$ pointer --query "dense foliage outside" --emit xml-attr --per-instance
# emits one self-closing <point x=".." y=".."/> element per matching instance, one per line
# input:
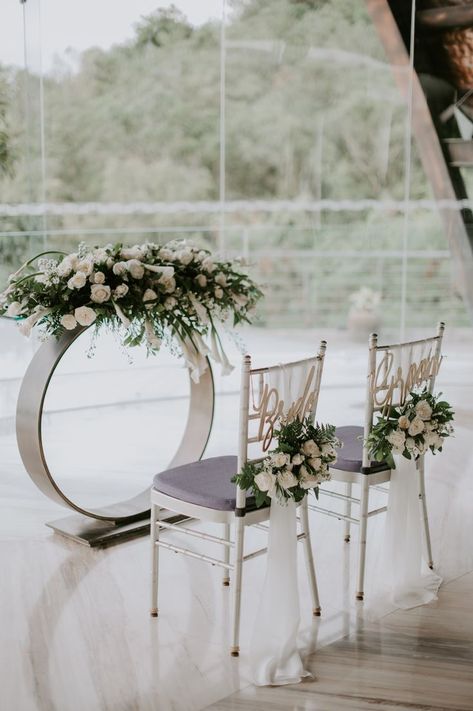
<point x="311" y="112"/>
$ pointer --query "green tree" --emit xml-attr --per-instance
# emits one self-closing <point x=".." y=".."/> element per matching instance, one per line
<point x="6" y="154"/>
<point x="162" y="27"/>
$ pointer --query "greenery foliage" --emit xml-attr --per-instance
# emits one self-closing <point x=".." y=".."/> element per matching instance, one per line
<point x="151" y="291"/>
<point x="298" y="464"/>
<point x="410" y="430"/>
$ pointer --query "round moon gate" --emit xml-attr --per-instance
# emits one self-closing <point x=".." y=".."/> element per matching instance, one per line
<point x="122" y="519"/>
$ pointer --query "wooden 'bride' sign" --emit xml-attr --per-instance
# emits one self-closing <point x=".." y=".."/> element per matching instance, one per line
<point x="271" y="407"/>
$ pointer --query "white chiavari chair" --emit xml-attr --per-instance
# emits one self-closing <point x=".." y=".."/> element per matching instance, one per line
<point x="393" y="371"/>
<point x="202" y="490"/>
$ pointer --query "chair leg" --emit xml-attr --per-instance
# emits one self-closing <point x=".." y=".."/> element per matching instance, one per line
<point x="238" y="570"/>
<point x="154" y="559"/>
<point x="423" y="504"/>
<point x="363" y="532"/>
<point x="309" y="558"/>
<point x="347" y="512"/>
<point x="226" y="555"/>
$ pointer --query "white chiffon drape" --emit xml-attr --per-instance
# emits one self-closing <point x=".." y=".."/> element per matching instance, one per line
<point x="408" y="580"/>
<point x="274" y="654"/>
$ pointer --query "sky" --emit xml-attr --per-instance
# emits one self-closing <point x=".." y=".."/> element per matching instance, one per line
<point x="79" y="24"/>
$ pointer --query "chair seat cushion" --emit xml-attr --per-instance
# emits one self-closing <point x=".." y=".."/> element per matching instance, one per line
<point x="205" y="483"/>
<point x="350" y="456"/>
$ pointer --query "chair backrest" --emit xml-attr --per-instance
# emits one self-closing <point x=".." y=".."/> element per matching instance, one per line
<point x="394" y="370"/>
<point x="289" y="389"/>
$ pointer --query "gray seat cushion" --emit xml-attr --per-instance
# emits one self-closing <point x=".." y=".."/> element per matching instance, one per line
<point x="205" y="483"/>
<point x="350" y="456"/>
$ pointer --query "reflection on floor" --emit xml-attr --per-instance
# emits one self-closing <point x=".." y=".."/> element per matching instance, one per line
<point x="415" y="659"/>
<point x="75" y="630"/>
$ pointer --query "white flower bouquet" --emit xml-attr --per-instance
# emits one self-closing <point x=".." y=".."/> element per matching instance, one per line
<point x="150" y="292"/>
<point x="365" y="299"/>
<point x="410" y="430"/>
<point x="299" y="464"/>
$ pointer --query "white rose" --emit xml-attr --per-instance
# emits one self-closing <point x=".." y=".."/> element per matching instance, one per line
<point x="185" y="257"/>
<point x="328" y="449"/>
<point x="310" y="448"/>
<point x="430" y="438"/>
<point x="135" y="268"/>
<point x="132" y="253"/>
<point x="149" y="295"/>
<point x="221" y="279"/>
<point x="166" y="254"/>
<point x="65" y="267"/>
<point x="315" y="463"/>
<point x="297" y="459"/>
<point x="69" y="322"/>
<point x="240" y="299"/>
<point x="100" y="256"/>
<point x="74" y="259"/>
<point x="119" y="268"/>
<point x="85" y="316"/>
<point x="100" y="293"/>
<point x="324" y="472"/>
<point x="265" y="481"/>
<point x="86" y="266"/>
<point x="170" y="303"/>
<point x="286" y="479"/>
<point x="120" y="291"/>
<point x="398" y="439"/>
<point x="99" y="278"/>
<point x="403" y="422"/>
<point x="165" y="273"/>
<point x="208" y="265"/>
<point x="77" y="281"/>
<point x="201" y="280"/>
<point x="416" y="426"/>
<point x="309" y="482"/>
<point x="170" y="285"/>
<point x="110" y="262"/>
<point x="279" y="459"/>
<point x="14" y="309"/>
<point x="423" y="410"/>
<point x="218" y="292"/>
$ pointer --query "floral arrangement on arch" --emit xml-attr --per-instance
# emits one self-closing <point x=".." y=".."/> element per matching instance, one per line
<point x="151" y="292"/>
<point x="299" y="463"/>
<point x="365" y="299"/>
<point x="421" y="424"/>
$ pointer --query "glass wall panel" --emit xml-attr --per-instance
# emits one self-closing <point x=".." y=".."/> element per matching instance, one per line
<point x="279" y="134"/>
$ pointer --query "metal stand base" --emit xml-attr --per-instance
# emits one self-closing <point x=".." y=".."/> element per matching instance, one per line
<point x="95" y="533"/>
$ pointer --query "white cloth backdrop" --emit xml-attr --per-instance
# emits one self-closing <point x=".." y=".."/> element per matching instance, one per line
<point x="274" y="655"/>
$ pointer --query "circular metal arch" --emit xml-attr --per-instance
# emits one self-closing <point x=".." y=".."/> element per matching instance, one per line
<point x="29" y="416"/>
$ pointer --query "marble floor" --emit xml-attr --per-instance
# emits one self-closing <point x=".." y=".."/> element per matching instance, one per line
<point x="410" y="659"/>
<point x="75" y="633"/>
